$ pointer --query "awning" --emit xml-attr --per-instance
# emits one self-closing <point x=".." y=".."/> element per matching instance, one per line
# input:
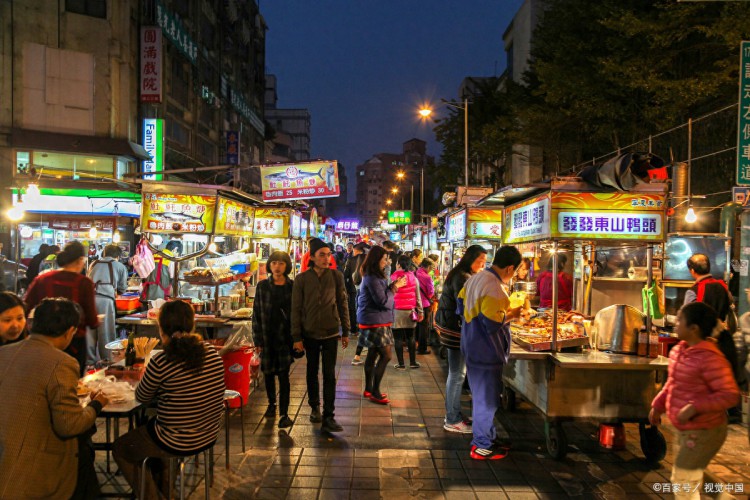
<point x="81" y="144"/>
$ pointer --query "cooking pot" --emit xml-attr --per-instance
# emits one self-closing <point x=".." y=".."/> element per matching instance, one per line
<point x="616" y="328"/>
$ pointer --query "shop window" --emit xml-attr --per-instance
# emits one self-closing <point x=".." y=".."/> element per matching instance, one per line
<point x="75" y="166"/>
<point x="23" y="162"/>
<point x="180" y="79"/>
<point x="206" y="150"/>
<point x="92" y="8"/>
<point x="178" y="133"/>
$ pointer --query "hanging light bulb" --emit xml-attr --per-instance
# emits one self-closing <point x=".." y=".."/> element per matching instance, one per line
<point x="212" y="247"/>
<point x="15" y="213"/>
<point x="691" y="216"/>
<point x="116" y="237"/>
<point x="93" y="233"/>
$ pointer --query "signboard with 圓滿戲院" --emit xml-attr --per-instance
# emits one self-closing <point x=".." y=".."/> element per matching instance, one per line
<point x="300" y="181"/>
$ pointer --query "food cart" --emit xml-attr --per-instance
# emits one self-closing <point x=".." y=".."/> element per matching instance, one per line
<point x="276" y="228"/>
<point x="592" y="385"/>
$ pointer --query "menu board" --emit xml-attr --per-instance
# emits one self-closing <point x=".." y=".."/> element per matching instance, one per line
<point x="271" y="223"/>
<point x="629" y="216"/>
<point x="485" y="223"/>
<point x="177" y="213"/>
<point x="234" y="218"/>
<point x="528" y="220"/>
<point x="296" y="225"/>
<point x="457" y="226"/>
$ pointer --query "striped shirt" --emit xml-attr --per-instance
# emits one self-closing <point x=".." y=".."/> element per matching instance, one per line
<point x="189" y="403"/>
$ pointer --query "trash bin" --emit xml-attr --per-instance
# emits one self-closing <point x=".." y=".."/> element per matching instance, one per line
<point x="237" y="374"/>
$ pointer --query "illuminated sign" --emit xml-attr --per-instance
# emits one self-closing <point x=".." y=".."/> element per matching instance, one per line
<point x="395" y="236"/>
<point x="177" y="213"/>
<point x="485" y="223"/>
<point x="300" y="181"/>
<point x="234" y="218"/>
<point x="272" y="222"/>
<point x="399" y="216"/>
<point x="457" y="226"/>
<point x="296" y="225"/>
<point x="527" y="221"/>
<point x="608" y="224"/>
<point x="347" y="226"/>
<point x="153" y="143"/>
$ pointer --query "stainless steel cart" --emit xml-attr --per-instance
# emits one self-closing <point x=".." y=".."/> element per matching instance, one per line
<point x="589" y="386"/>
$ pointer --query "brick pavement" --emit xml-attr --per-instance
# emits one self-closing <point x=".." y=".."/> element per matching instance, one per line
<point x="401" y="451"/>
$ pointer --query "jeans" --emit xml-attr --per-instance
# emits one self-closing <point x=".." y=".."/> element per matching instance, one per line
<point x="453" y="386"/>
<point x="284" y="390"/>
<point x="423" y="333"/>
<point x="405" y="335"/>
<point x="327" y="349"/>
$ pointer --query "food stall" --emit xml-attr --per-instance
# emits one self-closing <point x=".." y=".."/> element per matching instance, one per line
<point x="611" y="387"/>
<point x="276" y="229"/>
<point x="214" y="226"/>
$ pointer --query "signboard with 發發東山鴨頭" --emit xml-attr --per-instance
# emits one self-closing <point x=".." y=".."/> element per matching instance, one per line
<point x="177" y="213"/>
<point x="300" y="181"/>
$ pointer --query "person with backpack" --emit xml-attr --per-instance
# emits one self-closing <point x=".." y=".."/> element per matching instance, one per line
<point x="110" y="277"/>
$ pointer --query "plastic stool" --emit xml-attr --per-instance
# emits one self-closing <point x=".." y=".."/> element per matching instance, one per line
<point x="228" y="396"/>
<point x="207" y="473"/>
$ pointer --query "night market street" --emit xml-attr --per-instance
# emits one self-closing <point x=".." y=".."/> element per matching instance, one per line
<point x="401" y="451"/>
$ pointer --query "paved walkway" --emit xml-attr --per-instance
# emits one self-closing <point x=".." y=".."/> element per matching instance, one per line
<point x="401" y="451"/>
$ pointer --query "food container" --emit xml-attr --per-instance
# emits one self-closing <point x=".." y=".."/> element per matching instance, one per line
<point x="127" y="302"/>
<point x="616" y="329"/>
<point x="198" y="307"/>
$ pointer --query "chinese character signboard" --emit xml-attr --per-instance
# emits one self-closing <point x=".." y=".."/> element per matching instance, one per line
<point x="300" y="181"/>
<point x="153" y="143"/>
<point x="233" y="147"/>
<point x="234" y="218"/>
<point x="151" y="70"/>
<point x="347" y="226"/>
<point x="176" y="32"/>
<point x="271" y="222"/>
<point x="81" y="224"/>
<point x="457" y="226"/>
<point x="743" y="122"/>
<point x="485" y="223"/>
<point x="528" y="220"/>
<point x="399" y="216"/>
<point x="597" y="216"/>
<point x="177" y="213"/>
<point x="394" y="236"/>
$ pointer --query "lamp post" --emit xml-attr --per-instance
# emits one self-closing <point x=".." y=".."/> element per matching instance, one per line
<point x="427" y="112"/>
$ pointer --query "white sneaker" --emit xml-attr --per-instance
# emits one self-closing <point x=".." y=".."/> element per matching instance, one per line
<point x="357" y="362"/>
<point x="460" y="427"/>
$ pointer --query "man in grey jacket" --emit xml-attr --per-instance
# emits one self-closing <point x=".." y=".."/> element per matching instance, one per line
<point x="319" y="311"/>
<point x="41" y="416"/>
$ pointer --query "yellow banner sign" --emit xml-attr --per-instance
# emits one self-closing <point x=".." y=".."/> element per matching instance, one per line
<point x="177" y="213"/>
<point x="234" y="218"/>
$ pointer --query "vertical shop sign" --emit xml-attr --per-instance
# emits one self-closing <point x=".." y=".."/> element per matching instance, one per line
<point x="151" y="64"/>
<point x="153" y="143"/>
<point x="233" y="147"/>
<point x="743" y="121"/>
<point x="176" y="33"/>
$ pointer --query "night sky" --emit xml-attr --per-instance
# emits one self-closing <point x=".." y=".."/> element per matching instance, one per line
<point x="363" y="68"/>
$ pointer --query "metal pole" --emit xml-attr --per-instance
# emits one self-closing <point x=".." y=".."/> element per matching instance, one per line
<point x="17" y="256"/>
<point x="555" y="287"/>
<point x="466" y="142"/>
<point x="421" y="193"/>
<point x="689" y="158"/>
<point x="649" y="282"/>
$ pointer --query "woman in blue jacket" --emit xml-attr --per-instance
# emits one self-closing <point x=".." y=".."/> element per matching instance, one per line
<point x="375" y="317"/>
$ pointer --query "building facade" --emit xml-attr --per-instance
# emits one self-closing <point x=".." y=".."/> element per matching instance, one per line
<point x="381" y="187"/>
<point x="295" y="122"/>
<point x="76" y="94"/>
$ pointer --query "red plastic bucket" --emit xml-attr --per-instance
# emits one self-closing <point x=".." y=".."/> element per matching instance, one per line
<point x="237" y="374"/>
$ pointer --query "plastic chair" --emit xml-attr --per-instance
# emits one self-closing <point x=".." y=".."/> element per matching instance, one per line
<point x="180" y="459"/>
<point x="228" y="396"/>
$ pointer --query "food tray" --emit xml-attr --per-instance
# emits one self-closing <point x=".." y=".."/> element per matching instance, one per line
<point x="207" y="281"/>
<point x="547" y="345"/>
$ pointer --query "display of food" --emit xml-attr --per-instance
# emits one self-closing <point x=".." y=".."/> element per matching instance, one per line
<point x="535" y="332"/>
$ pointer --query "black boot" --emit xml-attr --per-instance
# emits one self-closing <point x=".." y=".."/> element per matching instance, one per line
<point x="271" y="411"/>
<point x="315" y="416"/>
<point x="330" y="425"/>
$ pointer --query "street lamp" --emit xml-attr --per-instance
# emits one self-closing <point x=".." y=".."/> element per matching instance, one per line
<point x="388" y="201"/>
<point x="427" y="112"/>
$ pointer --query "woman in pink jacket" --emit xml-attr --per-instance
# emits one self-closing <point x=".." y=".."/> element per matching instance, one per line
<point x="408" y="312"/>
<point x="699" y="391"/>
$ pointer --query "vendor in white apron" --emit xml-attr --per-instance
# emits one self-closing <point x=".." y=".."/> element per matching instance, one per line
<point x="110" y="277"/>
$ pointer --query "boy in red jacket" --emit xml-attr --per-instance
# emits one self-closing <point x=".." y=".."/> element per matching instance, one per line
<point x="699" y="391"/>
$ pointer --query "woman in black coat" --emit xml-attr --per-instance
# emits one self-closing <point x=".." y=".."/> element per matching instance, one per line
<point x="272" y="332"/>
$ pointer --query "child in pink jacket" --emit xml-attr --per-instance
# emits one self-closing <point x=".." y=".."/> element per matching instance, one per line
<point x="699" y="391"/>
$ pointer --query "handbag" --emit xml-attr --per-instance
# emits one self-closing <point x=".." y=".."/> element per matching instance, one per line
<point x="143" y="260"/>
